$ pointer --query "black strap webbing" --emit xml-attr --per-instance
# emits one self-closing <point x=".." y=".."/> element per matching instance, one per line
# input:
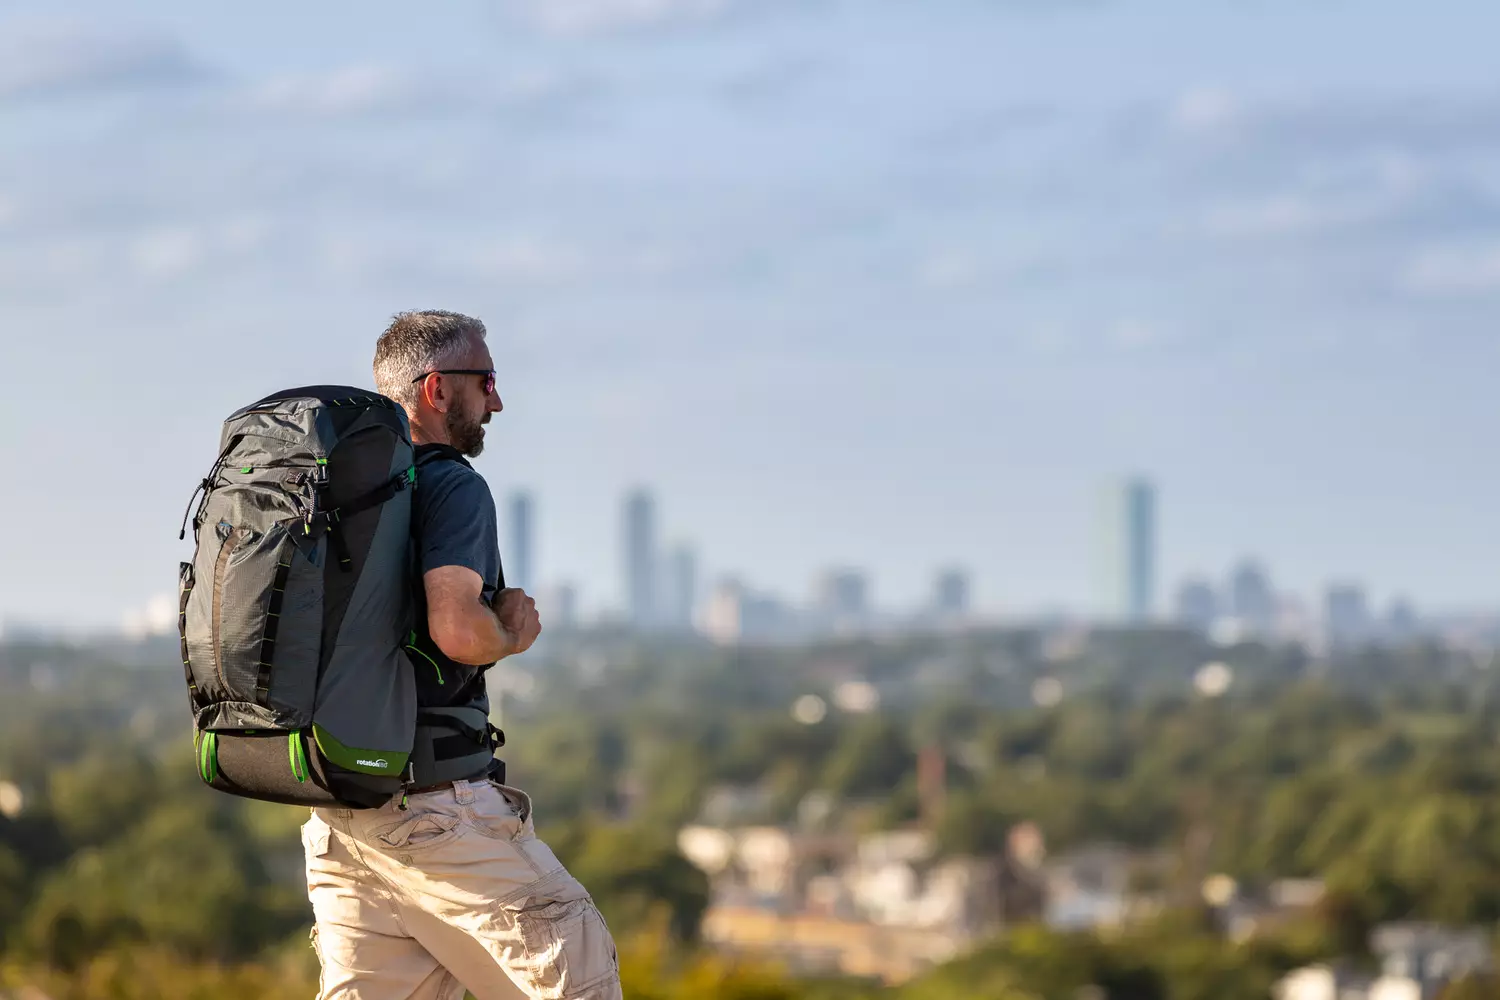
<point x="374" y="498"/>
<point x="490" y="736"/>
<point x="273" y="624"/>
<point x="438" y="721"/>
<point x="452" y="748"/>
<point x="432" y="452"/>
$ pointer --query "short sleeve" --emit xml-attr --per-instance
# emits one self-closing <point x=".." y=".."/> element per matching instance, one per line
<point x="458" y="527"/>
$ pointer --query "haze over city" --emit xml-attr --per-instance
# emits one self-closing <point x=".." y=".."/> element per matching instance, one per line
<point x="842" y="284"/>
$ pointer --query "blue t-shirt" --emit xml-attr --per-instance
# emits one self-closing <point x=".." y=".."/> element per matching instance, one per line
<point x="453" y="524"/>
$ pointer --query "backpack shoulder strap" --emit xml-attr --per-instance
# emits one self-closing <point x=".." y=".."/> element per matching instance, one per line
<point x="426" y="453"/>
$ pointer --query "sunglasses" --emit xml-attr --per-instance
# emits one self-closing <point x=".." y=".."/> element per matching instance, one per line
<point x="489" y="376"/>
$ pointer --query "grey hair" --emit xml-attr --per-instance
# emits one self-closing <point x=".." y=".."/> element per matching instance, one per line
<point x="420" y="342"/>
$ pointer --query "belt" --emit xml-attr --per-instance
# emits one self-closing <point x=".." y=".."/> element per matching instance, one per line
<point x="496" y="768"/>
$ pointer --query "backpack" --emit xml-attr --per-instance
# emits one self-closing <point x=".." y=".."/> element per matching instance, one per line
<point x="296" y="607"/>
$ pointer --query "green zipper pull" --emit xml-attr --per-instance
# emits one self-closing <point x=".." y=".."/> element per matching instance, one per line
<point x="411" y="645"/>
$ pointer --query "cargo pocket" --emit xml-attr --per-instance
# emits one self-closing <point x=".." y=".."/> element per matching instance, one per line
<point x="566" y="949"/>
<point x="315" y="837"/>
<point x="318" y="952"/>
<point x="419" y="832"/>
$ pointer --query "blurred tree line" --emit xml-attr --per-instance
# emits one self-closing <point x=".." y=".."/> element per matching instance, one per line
<point x="123" y="877"/>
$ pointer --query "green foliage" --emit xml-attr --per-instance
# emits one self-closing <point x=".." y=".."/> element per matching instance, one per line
<point x="635" y="872"/>
<point x="125" y="878"/>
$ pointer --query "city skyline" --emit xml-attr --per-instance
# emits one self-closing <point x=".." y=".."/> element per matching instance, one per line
<point x="665" y="589"/>
<point x="667" y="581"/>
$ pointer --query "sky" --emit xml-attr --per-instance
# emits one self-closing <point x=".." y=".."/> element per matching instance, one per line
<point x="845" y="282"/>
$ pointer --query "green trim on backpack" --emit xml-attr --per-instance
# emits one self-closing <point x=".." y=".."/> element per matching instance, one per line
<point x="297" y="755"/>
<point x="208" y="757"/>
<point x="383" y="762"/>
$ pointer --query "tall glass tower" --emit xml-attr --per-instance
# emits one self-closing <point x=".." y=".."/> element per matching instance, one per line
<point x="1128" y="550"/>
<point x="640" y="558"/>
<point x="519" y="558"/>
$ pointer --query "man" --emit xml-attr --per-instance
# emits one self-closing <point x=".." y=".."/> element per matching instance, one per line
<point x="448" y="887"/>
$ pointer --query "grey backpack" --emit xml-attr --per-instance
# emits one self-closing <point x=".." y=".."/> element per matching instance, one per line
<point x="297" y="605"/>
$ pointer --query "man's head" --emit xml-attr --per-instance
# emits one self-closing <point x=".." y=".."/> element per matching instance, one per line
<point x="437" y="366"/>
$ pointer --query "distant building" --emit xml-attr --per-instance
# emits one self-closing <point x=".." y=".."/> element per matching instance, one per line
<point x="884" y="905"/>
<point x="1251" y="599"/>
<point x="679" y="600"/>
<point x="843" y="592"/>
<point x="1417" y="962"/>
<point x="1335" y="981"/>
<point x="640" y="554"/>
<point x="519" y="567"/>
<point x="1128" y="550"/>
<point x="1401" y="621"/>
<point x="1428" y="954"/>
<point x="950" y="598"/>
<point x="1089" y="888"/>
<point x="733" y="614"/>
<point x="1197" y="604"/>
<point x="558" y="607"/>
<point x="1346" y="614"/>
<point x="842" y="597"/>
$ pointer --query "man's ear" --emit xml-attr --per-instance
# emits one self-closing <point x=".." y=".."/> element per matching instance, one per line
<point x="435" y="389"/>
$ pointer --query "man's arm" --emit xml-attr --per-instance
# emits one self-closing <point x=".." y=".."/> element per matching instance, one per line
<point x="468" y="630"/>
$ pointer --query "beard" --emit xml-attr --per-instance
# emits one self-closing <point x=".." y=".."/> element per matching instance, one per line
<point x="466" y="433"/>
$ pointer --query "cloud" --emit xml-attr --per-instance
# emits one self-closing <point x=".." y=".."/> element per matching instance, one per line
<point x="1346" y="125"/>
<point x="156" y="252"/>
<point x="165" y="252"/>
<point x="351" y="91"/>
<point x="1136" y="335"/>
<point x="1287" y="215"/>
<point x="989" y="127"/>
<point x="592" y="17"/>
<point x="773" y="79"/>
<point x="1453" y="271"/>
<point x="523" y="261"/>
<point x="1203" y="109"/>
<point x="950" y="269"/>
<point x="574" y="17"/>
<point x="385" y="92"/>
<point x="56" y="59"/>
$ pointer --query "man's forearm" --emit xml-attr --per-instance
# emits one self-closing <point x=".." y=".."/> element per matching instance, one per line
<point x="478" y="640"/>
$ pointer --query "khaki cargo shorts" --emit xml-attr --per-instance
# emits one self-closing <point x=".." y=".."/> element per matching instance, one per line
<point x="455" y="892"/>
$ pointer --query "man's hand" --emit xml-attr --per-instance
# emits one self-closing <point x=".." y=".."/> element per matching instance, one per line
<point x="518" y="618"/>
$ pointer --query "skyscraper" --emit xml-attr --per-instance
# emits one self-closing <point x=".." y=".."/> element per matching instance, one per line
<point x="951" y="593"/>
<point x="680" y="600"/>
<point x="640" y="558"/>
<point x="1346" y="614"/>
<point x="558" y="606"/>
<point x="1251" y="598"/>
<point x="843" y="594"/>
<point x="518" y="559"/>
<point x="1128" y="539"/>
<point x="1197" y="604"/>
<point x="1401" y="622"/>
